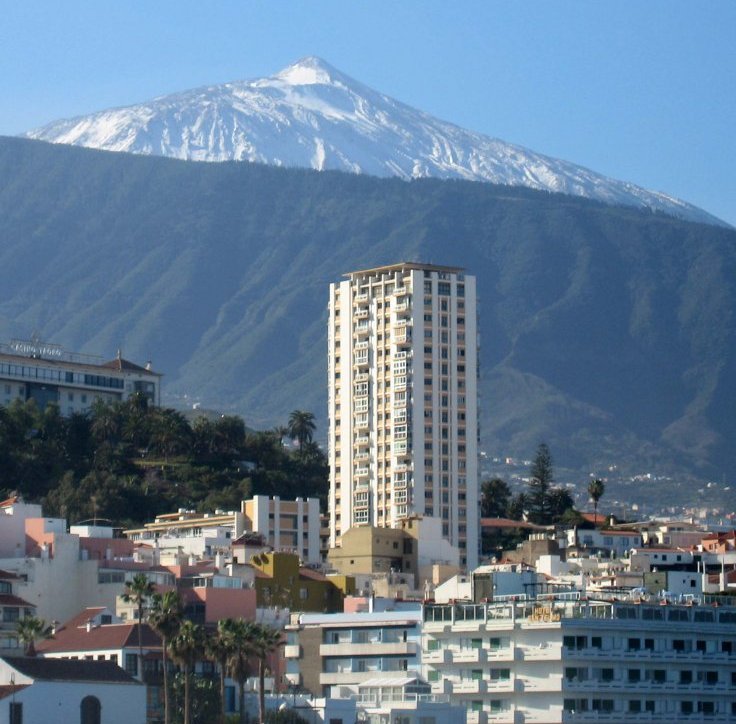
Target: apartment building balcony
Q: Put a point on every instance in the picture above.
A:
(402, 337)
(361, 472)
(468, 656)
(361, 313)
(401, 323)
(401, 306)
(399, 291)
(552, 683)
(494, 717)
(360, 298)
(376, 648)
(361, 377)
(469, 686)
(361, 456)
(438, 656)
(545, 652)
(361, 424)
(648, 655)
(404, 354)
(648, 686)
(360, 362)
(292, 651)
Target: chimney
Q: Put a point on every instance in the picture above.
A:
(90, 626)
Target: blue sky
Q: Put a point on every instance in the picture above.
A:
(641, 91)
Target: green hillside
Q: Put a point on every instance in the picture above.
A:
(606, 331)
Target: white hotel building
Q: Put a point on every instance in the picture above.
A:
(46, 373)
(583, 661)
(403, 419)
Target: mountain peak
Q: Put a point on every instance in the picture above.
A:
(308, 71)
(312, 115)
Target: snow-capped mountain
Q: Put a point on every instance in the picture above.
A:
(312, 115)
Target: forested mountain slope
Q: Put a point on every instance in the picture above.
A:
(606, 331)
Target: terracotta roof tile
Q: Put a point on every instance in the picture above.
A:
(10, 689)
(8, 599)
(107, 636)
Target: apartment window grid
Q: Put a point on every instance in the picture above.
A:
(389, 307)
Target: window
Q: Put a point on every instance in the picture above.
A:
(131, 664)
(602, 705)
(11, 614)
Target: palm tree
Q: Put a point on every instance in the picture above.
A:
(301, 426)
(165, 618)
(242, 635)
(281, 431)
(138, 591)
(170, 432)
(187, 647)
(31, 629)
(596, 488)
(267, 640)
(219, 649)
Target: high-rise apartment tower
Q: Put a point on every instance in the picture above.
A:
(403, 417)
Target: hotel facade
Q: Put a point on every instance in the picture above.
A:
(46, 373)
(403, 419)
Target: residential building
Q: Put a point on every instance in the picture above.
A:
(415, 549)
(403, 423)
(192, 532)
(12, 609)
(96, 635)
(35, 690)
(35, 370)
(282, 583)
(615, 543)
(289, 526)
(567, 660)
(60, 573)
(327, 652)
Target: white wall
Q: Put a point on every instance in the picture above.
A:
(60, 587)
(59, 702)
(13, 528)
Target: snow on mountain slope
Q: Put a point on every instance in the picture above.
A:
(312, 115)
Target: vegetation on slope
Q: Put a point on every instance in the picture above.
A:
(607, 331)
(128, 462)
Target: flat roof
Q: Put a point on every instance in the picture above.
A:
(403, 265)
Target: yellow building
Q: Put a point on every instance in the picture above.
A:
(281, 581)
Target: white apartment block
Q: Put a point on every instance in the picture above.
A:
(583, 661)
(289, 526)
(325, 653)
(403, 420)
(46, 373)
